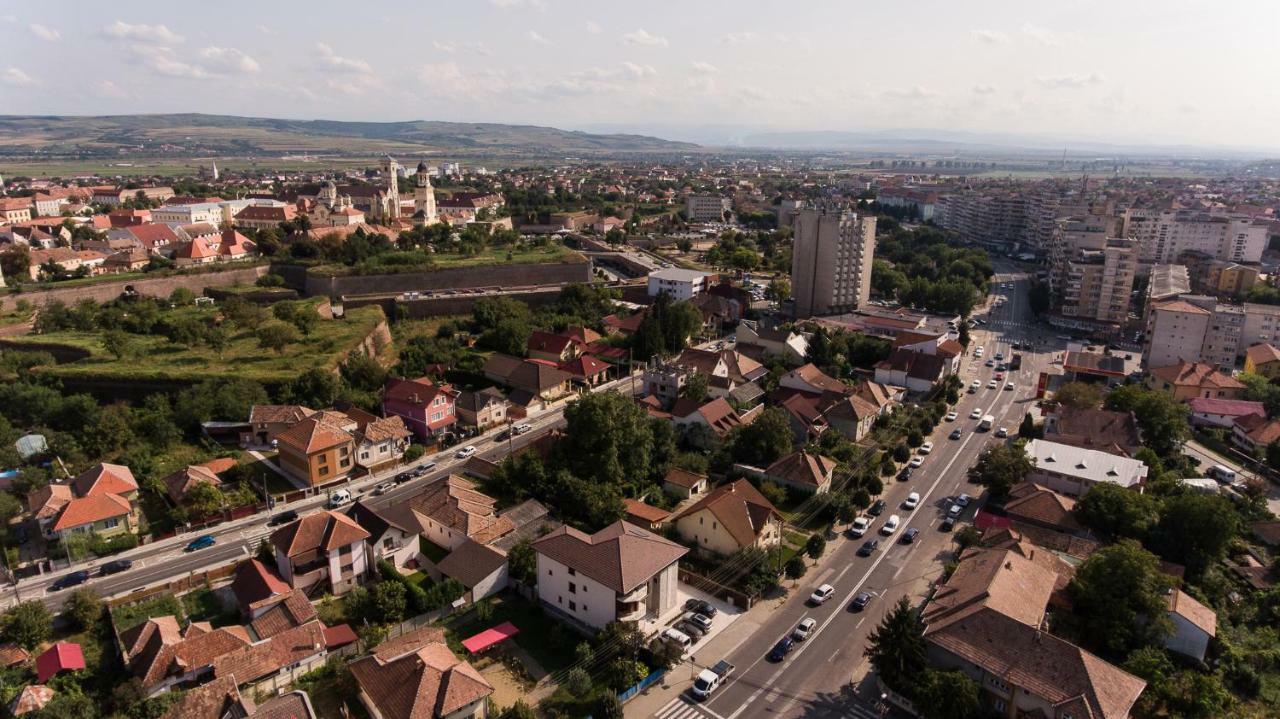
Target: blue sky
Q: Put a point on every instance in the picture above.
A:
(1163, 72)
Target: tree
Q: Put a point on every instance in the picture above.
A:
(522, 561)
(695, 388)
(1119, 597)
(83, 608)
(27, 624)
(202, 500)
(315, 387)
(1195, 530)
(387, 601)
(948, 695)
(609, 440)
(1117, 512)
(779, 289)
(1000, 467)
(815, 546)
(897, 650)
(218, 338)
(1028, 429)
(578, 682)
(276, 335)
(607, 706)
(509, 336)
(363, 372)
(764, 441)
(1079, 395)
(623, 673)
(182, 297)
(1162, 420)
(795, 568)
(519, 710)
(118, 343)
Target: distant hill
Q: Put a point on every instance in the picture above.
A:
(81, 136)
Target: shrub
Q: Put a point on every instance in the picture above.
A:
(414, 453)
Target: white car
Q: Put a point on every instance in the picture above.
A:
(384, 488)
(804, 629)
(1002, 432)
(859, 526)
(1008, 385)
(976, 413)
(822, 594)
(890, 525)
(954, 511)
(465, 452)
(915, 462)
(992, 384)
(926, 448)
(522, 428)
(952, 416)
(976, 383)
(913, 501)
(979, 352)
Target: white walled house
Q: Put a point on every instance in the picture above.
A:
(1073, 471)
(1194, 625)
(681, 284)
(393, 533)
(621, 573)
(323, 547)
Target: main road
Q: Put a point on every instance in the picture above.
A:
(816, 679)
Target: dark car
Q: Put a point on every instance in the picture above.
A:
(904, 474)
(70, 580)
(781, 649)
(116, 566)
(909, 537)
(956, 433)
(860, 602)
(204, 541)
(947, 524)
(868, 547)
(700, 606)
(877, 508)
(283, 518)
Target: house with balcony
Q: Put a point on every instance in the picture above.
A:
(427, 408)
(321, 552)
(267, 421)
(380, 442)
(481, 409)
(393, 532)
(621, 573)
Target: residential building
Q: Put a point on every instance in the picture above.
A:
(988, 621)
(15, 209)
(212, 213)
(684, 484)
(620, 573)
(1263, 359)
(1165, 282)
(1164, 234)
(1222, 413)
(831, 261)
(732, 517)
(105, 503)
(416, 677)
(451, 511)
(318, 450)
(379, 441)
(1194, 625)
(427, 408)
(1095, 285)
(1185, 380)
(1073, 471)
(716, 417)
(1099, 429)
(481, 568)
(257, 588)
(481, 409)
(267, 421)
(111, 196)
(706, 208)
(393, 532)
(553, 347)
(265, 217)
(803, 471)
(321, 552)
(46, 503)
(680, 283)
(179, 483)
(641, 514)
(808, 378)
(761, 343)
(1176, 330)
(1254, 433)
(539, 381)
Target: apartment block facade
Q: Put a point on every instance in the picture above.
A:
(1164, 234)
(706, 208)
(1199, 328)
(831, 261)
(1095, 284)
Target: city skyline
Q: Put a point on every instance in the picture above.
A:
(1141, 73)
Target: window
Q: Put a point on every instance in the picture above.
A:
(573, 607)
(111, 523)
(573, 588)
(573, 572)
(323, 471)
(345, 463)
(548, 572)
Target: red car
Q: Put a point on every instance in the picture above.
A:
(999, 376)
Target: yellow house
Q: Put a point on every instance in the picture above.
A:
(102, 514)
(1262, 359)
(732, 517)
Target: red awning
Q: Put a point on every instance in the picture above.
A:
(489, 637)
(984, 520)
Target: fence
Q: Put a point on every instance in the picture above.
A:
(186, 583)
(654, 677)
(284, 679)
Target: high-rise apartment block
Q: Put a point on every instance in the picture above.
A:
(706, 208)
(1200, 328)
(1164, 234)
(1096, 284)
(831, 261)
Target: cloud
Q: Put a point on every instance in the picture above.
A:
(639, 71)
(109, 89)
(537, 37)
(505, 4)
(144, 33)
(342, 64)
(161, 60)
(754, 94)
(1070, 82)
(990, 37)
(739, 38)
(15, 77)
(705, 68)
(228, 60)
(593, 27)
(642, 37)
(266, 30)
(915, 92)
(983, 89)
(45, 33)
(1042, 35)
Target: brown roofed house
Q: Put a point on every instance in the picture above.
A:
(1104, 430)
(321, 551)
(452, 511)
(1185, 380)
(424, 682)
(683, 483)
(804, 471)
(732, 517)
(318, 450)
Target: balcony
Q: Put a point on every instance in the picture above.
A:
(629, 611)
(635, 595)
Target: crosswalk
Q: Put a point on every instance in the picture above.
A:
(684, 708)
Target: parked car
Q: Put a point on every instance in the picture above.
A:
(69, 580)
(1002, 432)
(781, 649)
(868, 547)
(465, 452)
(116, 566)
(204, 541)
(877, 508)
(860, 601)
(804, 629)
(693, 631)
(384, 488)
(915, 462)
(821, 594)
(700, 621)
(859, 527)
(284, 517)
(904, 474)
(947, 524)
(954, 510)
(909, 536)
(912, 501)
(701, 606)
(963, 500)
(952, 416)
(926, 448)
(521, 428)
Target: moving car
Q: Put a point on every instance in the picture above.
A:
(913, 501)
(804, 629)
(1008, 385)
(976, 413)
(700, 621)
(909, 536)
(989, 363)
(821, 594)
(116, 566)
(69, 580)
(999, 376)
(915, 462)
(890, 525)
(204, 541)
(283, 518)
(781, 649)
(521, 428)
(991, 384)
(859, 527)
(860, 601)
(709, 679)
(956, 433)
(926, 448)
(465, 452)
(976, 384)
(1002, 432)
(701, 606)
(952, 416)
(868, 547)
(877, 508)
(339, 498)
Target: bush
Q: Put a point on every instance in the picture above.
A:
(270, 280)
(417, 600)
(414, 453)
(772, 492)
(578, 683)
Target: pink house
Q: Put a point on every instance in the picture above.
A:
(427, 408)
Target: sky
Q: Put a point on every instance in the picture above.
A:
(1171, 72)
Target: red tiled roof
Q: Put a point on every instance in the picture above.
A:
(105, 478)
(646, 512)
(87, 510)
(255, 584)
(427, 683)
(312, 435)
(323, 530)
(1197, 374)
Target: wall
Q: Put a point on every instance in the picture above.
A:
(155, 287)
(514, 275)
(595, 603)
(448, 304)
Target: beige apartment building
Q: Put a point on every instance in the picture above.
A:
(1164, 234)
(1096, 283)
(706, 208)
(831, 261)
(1199, 328)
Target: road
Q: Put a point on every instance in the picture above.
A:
(815, 680)
(167, 559)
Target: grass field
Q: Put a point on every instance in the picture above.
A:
(551, 254)
(157, 359)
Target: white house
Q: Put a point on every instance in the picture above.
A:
(1194, 625)
(322, 547)
(621, 573)
(680, 283)
(393, 532)
(1073, 471)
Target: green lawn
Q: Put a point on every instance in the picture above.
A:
(202, 605)
(128, 616)
(498, 256)
(157, 359)
(543, 638)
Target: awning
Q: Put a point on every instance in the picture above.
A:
(489, 637)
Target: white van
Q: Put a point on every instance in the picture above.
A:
(1222, 474)
(678, 638)
(891, 525)
(339, 498)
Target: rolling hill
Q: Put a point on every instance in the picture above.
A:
(113, 135)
